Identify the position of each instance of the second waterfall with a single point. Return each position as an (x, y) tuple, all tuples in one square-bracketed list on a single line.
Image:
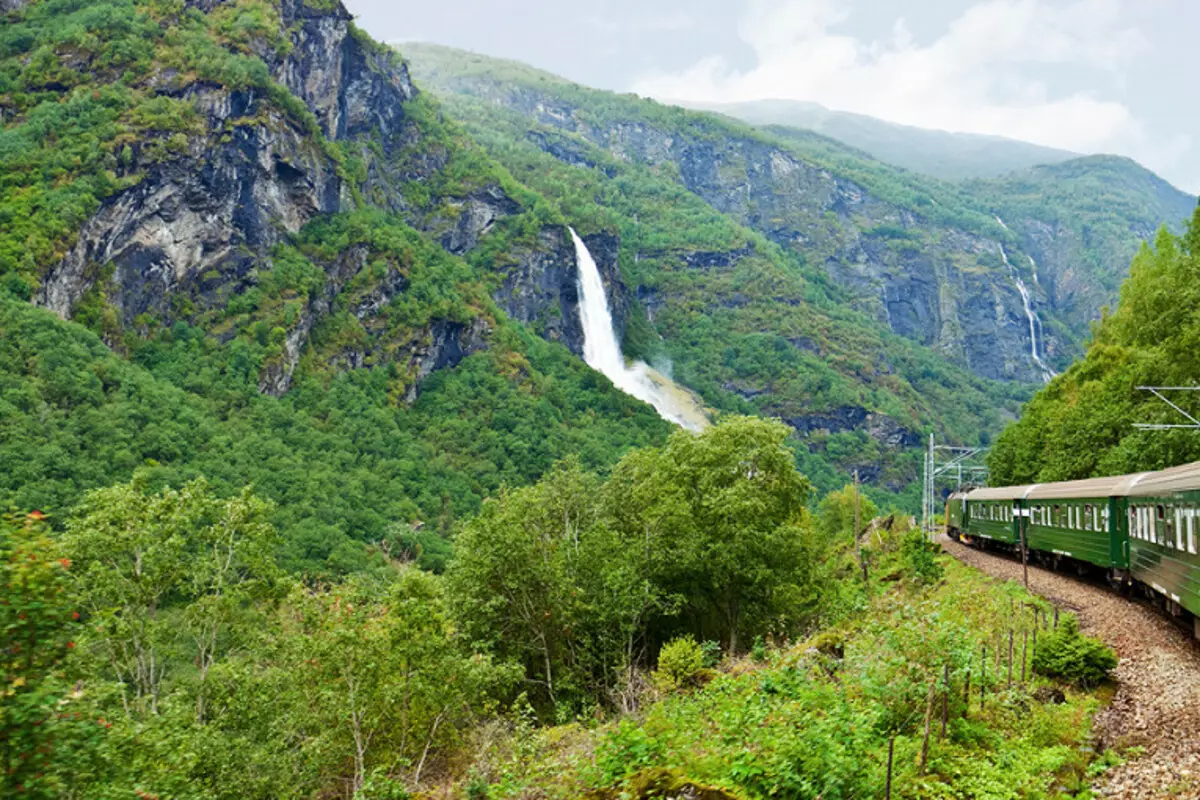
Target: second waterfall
[(602, 352)]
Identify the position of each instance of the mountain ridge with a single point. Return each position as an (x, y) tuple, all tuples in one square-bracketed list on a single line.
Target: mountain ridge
[(949, 155)]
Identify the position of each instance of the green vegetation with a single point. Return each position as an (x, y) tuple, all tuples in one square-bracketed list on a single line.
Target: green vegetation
[(339, 459), (1067, 654), (763, 333), (1081, 425), (199, 669), (815, 719)]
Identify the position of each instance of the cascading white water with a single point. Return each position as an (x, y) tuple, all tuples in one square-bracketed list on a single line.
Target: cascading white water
[(1034, 323), (602, 352)]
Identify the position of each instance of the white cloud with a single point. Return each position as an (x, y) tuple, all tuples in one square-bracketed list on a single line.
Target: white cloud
[(980, 75)]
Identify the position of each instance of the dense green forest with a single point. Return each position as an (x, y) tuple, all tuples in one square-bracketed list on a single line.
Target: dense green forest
[(154, 647), (344, 466), (1082, 424)]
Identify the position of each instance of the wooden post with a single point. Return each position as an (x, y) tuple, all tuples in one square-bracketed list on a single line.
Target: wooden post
[(928, 720), (1056, 618), (887, 792), (1024, 648), (967, 694), (982, 675), (1010, 655), (945, 698), (1034, 649)]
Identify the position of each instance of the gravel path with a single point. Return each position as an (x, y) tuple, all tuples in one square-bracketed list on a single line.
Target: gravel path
[(1157, 702)]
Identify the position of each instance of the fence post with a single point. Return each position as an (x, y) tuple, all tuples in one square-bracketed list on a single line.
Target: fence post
[(945, 698), (1010, 656), (928, 720), (982, 675), (1056, 618), (1024, 648), (887, 792), (967, 694)]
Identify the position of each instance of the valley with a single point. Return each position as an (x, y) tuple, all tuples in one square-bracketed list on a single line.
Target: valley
[(391, 421)]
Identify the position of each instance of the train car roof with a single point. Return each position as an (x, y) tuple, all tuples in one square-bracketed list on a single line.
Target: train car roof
[(1114, 486), (1139, 484), (1000, 493), (1168, 481)]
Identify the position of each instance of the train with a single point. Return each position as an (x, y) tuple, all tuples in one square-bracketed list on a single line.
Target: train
[(1141, 531)]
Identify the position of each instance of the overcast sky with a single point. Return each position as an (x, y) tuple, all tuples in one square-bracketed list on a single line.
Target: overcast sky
[(1084, 75)]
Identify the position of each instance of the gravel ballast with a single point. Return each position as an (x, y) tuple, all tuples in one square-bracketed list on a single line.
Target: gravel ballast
[(1157, 701)]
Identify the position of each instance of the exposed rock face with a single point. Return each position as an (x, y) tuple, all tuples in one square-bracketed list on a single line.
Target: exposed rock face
[(939, 286), (543, 291), (209, 215), (196, 229)]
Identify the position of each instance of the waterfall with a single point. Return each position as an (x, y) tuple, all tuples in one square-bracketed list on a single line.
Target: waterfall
[(1035, 324), (602, 352)]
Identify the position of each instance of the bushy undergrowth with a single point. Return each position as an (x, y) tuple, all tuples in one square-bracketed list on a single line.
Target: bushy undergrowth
[(1067, 654), (815, 720)]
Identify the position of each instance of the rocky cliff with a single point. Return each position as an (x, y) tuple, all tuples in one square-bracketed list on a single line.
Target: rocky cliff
[(333, 125), (943, 286)]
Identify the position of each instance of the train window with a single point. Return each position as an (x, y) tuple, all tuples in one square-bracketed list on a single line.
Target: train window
[(1191, 530), (1171, 532), (1057, 518), (1179, 532), (1161, 512), (1104, 518)]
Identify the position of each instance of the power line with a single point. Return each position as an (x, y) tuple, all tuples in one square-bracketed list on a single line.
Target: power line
[(1192, 424)]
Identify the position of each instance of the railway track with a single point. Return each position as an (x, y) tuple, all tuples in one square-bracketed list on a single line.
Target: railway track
[(1156, 705)]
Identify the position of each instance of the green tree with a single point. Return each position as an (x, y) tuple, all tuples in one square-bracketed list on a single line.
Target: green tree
[(836, 513), (37, 623), (726, 511), (162, 571), (381, 680)]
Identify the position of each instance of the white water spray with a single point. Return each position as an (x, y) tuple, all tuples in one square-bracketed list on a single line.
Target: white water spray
[(602, 352), (1035, 324)]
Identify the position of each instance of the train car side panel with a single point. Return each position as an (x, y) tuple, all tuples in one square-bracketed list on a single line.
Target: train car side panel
[(1076, 528), (991, 519), (1163, 543)]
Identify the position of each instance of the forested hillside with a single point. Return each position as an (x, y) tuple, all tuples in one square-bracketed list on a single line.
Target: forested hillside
[(240, 216), (313, 496), (1082, 424), (921, 255)]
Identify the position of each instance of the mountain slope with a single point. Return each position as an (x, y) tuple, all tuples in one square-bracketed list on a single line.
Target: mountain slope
[(1083, 221), (1083, 424), (940, 154), (941, 279), (915, 255), (251, 200)]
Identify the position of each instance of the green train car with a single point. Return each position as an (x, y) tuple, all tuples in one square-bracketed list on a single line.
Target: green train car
[(1141, 530)]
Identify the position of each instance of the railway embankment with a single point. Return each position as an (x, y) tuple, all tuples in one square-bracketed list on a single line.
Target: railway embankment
[(1154, 715)]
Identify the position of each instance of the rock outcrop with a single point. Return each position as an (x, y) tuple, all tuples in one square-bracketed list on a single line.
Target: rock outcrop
[(196, 228), (937, 285)]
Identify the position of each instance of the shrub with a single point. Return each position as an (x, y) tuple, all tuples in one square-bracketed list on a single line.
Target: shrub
[(680, 663), (1073, 657), (919, 558), (712, 653)]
